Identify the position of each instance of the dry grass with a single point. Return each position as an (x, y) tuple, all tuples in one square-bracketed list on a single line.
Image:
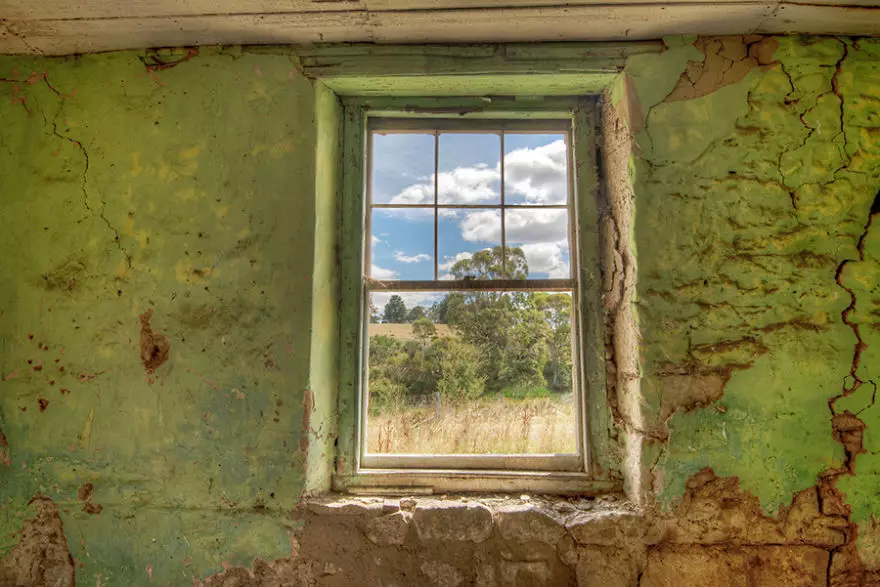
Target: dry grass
[(403, 332), (497, 425)]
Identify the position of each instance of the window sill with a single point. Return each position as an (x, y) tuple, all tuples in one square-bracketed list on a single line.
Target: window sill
[(434, 481), (603, 521)]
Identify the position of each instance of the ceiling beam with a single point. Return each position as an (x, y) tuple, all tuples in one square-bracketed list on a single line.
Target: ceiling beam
[(615, 21)]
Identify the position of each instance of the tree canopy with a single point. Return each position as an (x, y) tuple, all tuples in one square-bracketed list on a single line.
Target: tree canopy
[(514, 343)]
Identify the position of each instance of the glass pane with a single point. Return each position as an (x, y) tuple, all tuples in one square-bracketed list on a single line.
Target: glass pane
[(535, 169), (402, 244), (480, 373), (403, 168), (469, 168), (541, 237), (464, 234)]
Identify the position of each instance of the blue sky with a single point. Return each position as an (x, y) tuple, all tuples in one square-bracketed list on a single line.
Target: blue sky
[(469, 172)]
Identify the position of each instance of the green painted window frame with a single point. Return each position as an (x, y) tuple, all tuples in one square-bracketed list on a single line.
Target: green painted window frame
[(599, 470)]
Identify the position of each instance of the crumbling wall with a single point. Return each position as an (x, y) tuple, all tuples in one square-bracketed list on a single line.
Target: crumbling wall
[(156, 321), (756, 181), (157, 223)]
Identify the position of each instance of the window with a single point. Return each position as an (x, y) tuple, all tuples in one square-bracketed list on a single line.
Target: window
[(476, 352)]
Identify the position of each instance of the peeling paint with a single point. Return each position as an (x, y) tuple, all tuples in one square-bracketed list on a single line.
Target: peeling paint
[(752, 179)]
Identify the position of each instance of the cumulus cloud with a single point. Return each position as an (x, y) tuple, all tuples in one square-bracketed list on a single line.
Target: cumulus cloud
[(462, 185), (380, 273), (539, 174), (401, 258), (533, 176), (536, 174), (548, 258), (523, 226)]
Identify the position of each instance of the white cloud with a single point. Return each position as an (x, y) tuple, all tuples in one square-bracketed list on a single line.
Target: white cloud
[(415, 298), (539, 174), (380, 273), (523, 226), (448, 262), (462, 185), (548, 258), (376, 240), (401, 258)]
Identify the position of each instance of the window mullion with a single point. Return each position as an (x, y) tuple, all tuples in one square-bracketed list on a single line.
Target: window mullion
[(503, 231), (436, 197)]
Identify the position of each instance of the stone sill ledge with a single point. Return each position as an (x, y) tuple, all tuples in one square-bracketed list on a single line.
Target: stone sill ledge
[(603, 521)]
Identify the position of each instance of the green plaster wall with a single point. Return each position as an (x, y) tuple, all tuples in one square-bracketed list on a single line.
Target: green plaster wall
[(751, 201), (188, 191), (204, 191)]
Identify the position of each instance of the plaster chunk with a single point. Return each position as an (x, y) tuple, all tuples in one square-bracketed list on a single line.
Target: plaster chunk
[(453, 521), (346, 507), (388, 530), (608, 528), (527, 523), (440, 574)]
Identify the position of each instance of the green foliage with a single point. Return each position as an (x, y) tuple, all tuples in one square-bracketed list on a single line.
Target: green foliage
[(517, 344), (415, 313), (460, 368), (424, 329), (489, 264), (395, 311)]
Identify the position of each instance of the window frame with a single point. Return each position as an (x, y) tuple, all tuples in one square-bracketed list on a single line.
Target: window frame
[(592, 470)]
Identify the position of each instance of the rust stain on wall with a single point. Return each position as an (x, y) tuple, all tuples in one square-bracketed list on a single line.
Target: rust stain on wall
[(154, 346), (5, 458)]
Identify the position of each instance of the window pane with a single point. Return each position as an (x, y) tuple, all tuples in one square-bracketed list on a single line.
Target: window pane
[(402, 244), (402, 168), (542, 237), (535, 169), (480, 373), (465, 233), (469, 166)]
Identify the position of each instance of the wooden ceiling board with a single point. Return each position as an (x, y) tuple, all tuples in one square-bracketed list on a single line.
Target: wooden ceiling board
[(384, 21)]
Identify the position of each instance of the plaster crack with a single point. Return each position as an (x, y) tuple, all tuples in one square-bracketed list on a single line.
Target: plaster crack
[(847, 427), (84, 180), (835, 88)]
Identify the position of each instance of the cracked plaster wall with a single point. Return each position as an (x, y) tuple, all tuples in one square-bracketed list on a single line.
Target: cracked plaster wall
[(155, 307), (132, 184)]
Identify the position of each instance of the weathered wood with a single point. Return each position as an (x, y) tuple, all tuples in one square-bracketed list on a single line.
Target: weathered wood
[(74, 33), (401, 60), (556, 84), (96, 9), (589, 315), (407, 482), (351, 270), (509, 107)]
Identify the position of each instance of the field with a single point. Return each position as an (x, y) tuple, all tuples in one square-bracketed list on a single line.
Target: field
[(488, 425), (404, 332)]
